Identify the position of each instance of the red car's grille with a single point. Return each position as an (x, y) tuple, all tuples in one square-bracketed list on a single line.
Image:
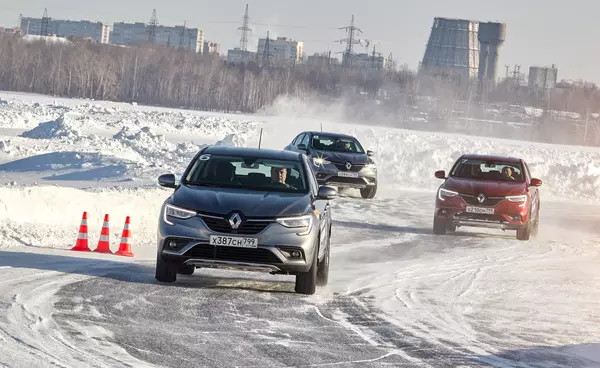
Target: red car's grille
[(470, 200)]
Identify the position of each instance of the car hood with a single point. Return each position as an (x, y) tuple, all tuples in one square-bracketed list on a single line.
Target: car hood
[(341, 157), (249, 203), (489, 188)]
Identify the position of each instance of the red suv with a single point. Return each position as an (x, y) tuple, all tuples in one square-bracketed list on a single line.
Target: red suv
[(488, 191)]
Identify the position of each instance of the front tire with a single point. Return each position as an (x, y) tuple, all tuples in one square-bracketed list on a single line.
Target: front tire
[(368, 192), (439, 226), (323, 267), (306, 282), (165, 271)]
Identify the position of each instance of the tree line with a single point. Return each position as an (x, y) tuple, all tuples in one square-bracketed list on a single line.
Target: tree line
[(168, 77), (183, 79)]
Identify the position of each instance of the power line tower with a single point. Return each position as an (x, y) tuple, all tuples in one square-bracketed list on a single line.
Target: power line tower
[(45, 21), (350, 41), (152, 27), (266, 52), (245, 30)]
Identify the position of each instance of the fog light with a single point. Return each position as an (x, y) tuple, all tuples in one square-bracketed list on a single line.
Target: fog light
[(172, 244), (296, 254)]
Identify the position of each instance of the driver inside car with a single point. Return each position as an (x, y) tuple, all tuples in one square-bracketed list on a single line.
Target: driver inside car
[(278, 175)]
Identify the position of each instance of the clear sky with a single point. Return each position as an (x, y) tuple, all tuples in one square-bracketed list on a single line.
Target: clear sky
[(538, 32)]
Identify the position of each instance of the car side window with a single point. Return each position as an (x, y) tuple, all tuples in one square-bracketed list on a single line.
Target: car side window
[(298, 139), (527, 173), (305, 139)]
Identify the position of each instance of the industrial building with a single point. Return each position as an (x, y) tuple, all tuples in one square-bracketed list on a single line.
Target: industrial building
[(239, 56), (281, 51), (129, 34), (97, 31), (368, 61), (464, 48), (542, 77)]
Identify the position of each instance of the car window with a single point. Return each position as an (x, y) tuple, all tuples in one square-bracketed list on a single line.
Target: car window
[(323, 142), (488, 170), (305, 140), (298, 139), (248, 173)]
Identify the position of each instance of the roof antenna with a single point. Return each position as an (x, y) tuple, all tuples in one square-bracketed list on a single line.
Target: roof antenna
[(321, 127), (260, 138)]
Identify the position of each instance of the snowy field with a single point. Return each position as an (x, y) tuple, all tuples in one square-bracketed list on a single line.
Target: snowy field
[(397, 295)]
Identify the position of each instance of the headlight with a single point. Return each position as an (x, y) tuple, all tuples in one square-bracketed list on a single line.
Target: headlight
[(371, 167), (518, 199), (445, 193), (319, 161), (177, 212), (299, 222)]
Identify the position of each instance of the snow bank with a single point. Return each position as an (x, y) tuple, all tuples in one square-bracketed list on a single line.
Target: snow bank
[(50, 216), (59, 128), (408, 159)]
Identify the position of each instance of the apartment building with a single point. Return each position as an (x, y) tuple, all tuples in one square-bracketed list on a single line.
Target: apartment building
[(97, 31), (129, 34)]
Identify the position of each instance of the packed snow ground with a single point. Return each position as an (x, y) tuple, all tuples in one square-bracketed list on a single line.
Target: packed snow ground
[(397, 296)]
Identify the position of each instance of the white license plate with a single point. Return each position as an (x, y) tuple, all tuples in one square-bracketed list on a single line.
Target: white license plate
[(348, 174), (233, 241), (482, 210)]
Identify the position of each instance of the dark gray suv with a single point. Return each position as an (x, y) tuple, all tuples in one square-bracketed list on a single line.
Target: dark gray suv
[(249, 209), (338, 160)]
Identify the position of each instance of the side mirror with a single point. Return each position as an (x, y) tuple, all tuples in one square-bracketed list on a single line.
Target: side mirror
[(302, 147), (326, 192), (441, 174), (370, 153), (167, 181), (536, 182)]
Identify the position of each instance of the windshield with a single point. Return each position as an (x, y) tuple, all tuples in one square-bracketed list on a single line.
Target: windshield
[(248, 173), (336, 144), (488, 170)]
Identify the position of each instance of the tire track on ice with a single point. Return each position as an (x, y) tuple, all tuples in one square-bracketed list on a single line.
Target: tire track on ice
[(33, 336)]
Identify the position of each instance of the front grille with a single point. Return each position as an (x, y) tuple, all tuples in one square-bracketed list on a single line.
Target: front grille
[(480, 217), (344, 180), (206, 251), (470, 200), (246, 227), (342, 166)]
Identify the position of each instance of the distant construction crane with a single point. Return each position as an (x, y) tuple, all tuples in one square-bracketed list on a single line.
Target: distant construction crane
[(45, 21), (350, 41), (182, 35), (245, 30), (152, 26)]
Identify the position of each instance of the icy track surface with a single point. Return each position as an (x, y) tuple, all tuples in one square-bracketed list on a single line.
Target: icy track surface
[(397, 297)]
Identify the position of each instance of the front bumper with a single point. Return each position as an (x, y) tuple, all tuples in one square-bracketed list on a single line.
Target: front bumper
[(279, 251), (494, 213), (357, 177)]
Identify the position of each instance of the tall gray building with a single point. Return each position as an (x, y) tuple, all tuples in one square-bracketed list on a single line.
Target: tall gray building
[(97, 31), (464, 48), (129, 34)]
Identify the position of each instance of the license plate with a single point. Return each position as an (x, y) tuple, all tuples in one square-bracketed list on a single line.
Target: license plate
[(348, 174), (233, 241), (481, 210)]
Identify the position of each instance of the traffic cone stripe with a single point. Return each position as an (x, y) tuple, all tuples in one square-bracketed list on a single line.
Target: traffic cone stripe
[(82, 236)]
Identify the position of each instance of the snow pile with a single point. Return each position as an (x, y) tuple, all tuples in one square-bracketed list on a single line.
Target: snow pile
[(62, 127), (232, 140), (54, 219), (156, 150), (408, 160)]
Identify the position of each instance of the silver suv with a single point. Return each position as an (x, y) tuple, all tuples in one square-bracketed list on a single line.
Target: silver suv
[(249, 209)]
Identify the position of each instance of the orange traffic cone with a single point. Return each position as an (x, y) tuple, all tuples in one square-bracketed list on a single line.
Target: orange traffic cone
[(104, 241), (81, 245), (125, 246)]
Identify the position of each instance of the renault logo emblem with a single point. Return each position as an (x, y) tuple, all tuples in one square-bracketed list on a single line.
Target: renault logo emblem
[(235, 220), (481, 198), (348, 165)]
